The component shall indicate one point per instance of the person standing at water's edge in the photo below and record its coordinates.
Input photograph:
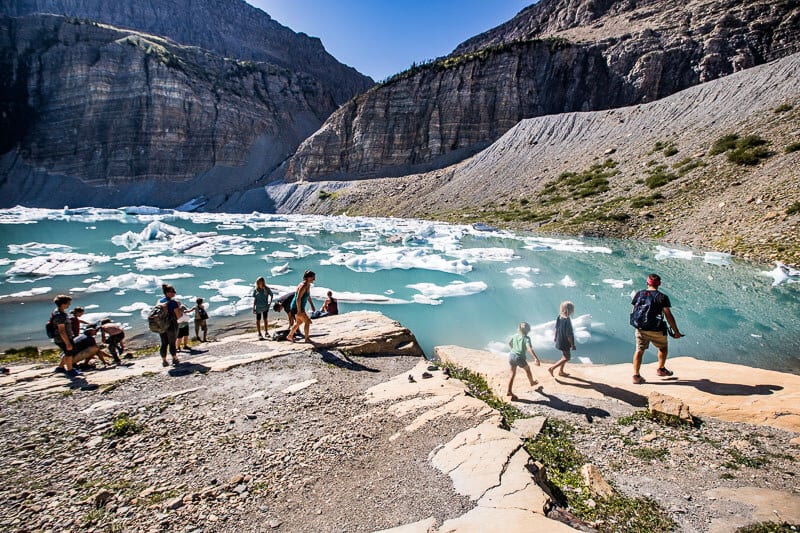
(519, 344)
(563, 337)
(62, 336)
(169, 337)
(649, 309)
(262, 298)
(298, 306)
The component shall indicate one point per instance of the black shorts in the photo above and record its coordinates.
(262, 314)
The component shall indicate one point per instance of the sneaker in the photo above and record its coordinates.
(637, 379)
(175, 361)
(60, 370)
(164, 362)
(663, 372)
(74, 373)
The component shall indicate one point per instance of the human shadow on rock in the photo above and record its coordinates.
(187, 369)
(631, 398)
(554, 402)
(724, 389)
(342, 361)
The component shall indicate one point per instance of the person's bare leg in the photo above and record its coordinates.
(662, 358)
(530, 376)
(511, 381)
(637, 361)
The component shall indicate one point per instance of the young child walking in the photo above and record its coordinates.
(520, 344)
(262, 298)
(563, 337)
(200, 320)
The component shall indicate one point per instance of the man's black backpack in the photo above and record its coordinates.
(50, 328)
(646, 313)
(202, 314)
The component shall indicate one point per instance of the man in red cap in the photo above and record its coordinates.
(650, 308)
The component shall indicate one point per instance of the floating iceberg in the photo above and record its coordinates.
(783, 274)
(457, 288)
(56, 264)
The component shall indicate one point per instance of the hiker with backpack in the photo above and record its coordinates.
(113, 335)
(59, 327)
(650, 309)
(200, 320)
(163, 319)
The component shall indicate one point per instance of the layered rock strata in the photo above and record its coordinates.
(135, 113)
(231, 28)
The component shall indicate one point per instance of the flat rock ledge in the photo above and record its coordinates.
(486, 463)
(729, 392)
(357, 333)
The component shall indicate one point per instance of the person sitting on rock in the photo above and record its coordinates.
(113, 335)
(329, 308)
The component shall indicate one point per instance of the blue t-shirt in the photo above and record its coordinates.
(262, 298)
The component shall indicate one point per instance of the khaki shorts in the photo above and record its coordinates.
(644, 338)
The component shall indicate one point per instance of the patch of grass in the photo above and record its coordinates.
(158, 497)
(738, 458)
(727, 475)
(123, 426)
(748, 150)
(554, 448)
(769, 527)
(646, 453)
(589, 182)
(325, 195)
(479, 388)
(29, 354)
(687, 164)
(658, 176)
(667, 147)
(783, 108)
(636, 416)
(645, 201)
(793, 147)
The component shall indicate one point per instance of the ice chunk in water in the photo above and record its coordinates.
(618, 283)
(456, 288)
(783, 274)
(56, 264)
(567, 282)
(26, 294)
(280, 270)
(663, 252)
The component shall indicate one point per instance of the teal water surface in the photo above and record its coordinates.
(448, 284)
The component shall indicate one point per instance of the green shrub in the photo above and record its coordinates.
(645, 201)
(29, 354)
(723, 144)
(792, 148)
(749, 150)
(123, 426)
(783, 108)
(324, 195)
(793, 209)
(649, 454)
(770, 527)
(748, 156)
(586, 183)
(658, 177)
(670, 150)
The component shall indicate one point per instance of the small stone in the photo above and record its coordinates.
(274, 524)
(101, 498)
(650, 437)
(236, 479)
(174, 503)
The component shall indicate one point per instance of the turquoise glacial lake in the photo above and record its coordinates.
(449, 284)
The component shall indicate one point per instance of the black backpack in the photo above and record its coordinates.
(201, 313)
(50, 328)
(646, 314)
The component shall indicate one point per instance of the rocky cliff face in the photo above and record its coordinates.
(131, 111)
(556, 56)
(450, 110)
(231, 28)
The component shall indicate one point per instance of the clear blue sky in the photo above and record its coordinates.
(383, 37)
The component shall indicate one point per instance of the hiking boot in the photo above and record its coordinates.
(637, 379)
(74, 373)
(663, 372)
(60, 370)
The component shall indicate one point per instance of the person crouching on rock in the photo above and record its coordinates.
(113, 335)
(284, 303)
(519, 344)
(86, 348)
(298, 306)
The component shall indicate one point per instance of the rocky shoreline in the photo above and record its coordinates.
(267, 436)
